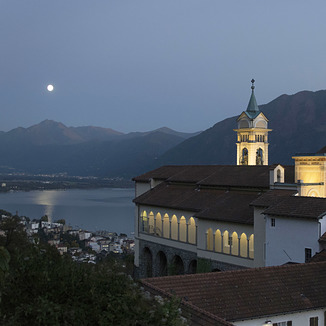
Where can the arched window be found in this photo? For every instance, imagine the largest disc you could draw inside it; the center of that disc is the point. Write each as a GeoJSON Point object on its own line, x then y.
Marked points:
{"type": "Point", "coordinates": [218, 241]}
{"type": "Point", "coordinates": [158, 225]}
{"type": "Point", "coordinates": [226, 242]}
{"type": "Point", "coordinates": [251, 246]}
{"type": "Point", "coordinates": [151, 222]}
{"type": "Point", "coordinates": [148, 262]}
{"type": "Point", "coordinates": [259, 157]}
{"type": "Point", "coordinates": [313, 193]}
{"type": "Point", "coordinates": [243, 245]}
{"type": "Point", "coordinates": [162, 264]}
{"type": "Point", "coordinates": [183, 229]}
{"type": "Point", "coordinates": [144, 221]}
{"type": "Point", "coordinates": [177, 266]}
{"type": "Point", "coordinates": [278, 175]}
{"type": "Point", "coordinates": [209, 239]}
{"type": "Point", "coordinates": [244, 157]}
{"type": "Point", "coordinates": [166, 226]}
{"type": "Point", "coordinates": [174, 228]}
{"type": "Point", "coordinates": [235, 244]}
{"type": "Point", "coordinates": [192, 231]}
{"type": "Point", "coordinates": [192, 267]}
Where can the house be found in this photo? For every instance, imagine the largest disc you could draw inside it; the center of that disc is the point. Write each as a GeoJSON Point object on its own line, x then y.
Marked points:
{"type": "Point", "coordinates": [287, 295]}
{"type": "Point", "coordinates": [226, 217]}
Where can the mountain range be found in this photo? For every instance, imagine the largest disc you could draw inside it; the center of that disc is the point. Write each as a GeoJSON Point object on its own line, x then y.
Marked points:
{"type": "Point", "coordinates": [298, 122]}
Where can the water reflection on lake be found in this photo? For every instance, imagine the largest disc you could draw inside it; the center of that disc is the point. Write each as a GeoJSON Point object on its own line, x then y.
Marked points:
{"type": "Point", "coordinates": [93, 209]}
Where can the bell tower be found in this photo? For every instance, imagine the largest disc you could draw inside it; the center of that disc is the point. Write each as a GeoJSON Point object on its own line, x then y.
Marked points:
{"type": "Point", "coordinates": [252, 134]}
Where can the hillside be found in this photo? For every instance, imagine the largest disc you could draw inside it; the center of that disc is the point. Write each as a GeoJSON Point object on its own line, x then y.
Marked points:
{"type": "Point", "coordinates": [298, 122]}
{"type": "Point", "coordinates": [51, 147]}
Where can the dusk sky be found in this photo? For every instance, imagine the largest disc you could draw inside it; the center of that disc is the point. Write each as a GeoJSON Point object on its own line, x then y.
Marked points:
{"type": "Point", "coordinates": [138, 65]}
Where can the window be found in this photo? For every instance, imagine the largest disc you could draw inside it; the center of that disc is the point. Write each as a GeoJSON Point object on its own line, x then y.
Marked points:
{"type": "Point", "coordinates": [313, 321]}
{"type": "Point", "coordinates": [259, 157]}
{"type": "Point", "coordinates": [307, 252]}
{"type": "Point", "coordinates": [283, 323]}
{"type": "Point", "coordinates": [273, 222]}
{"type": "Point", "coordinates": [244, 157]}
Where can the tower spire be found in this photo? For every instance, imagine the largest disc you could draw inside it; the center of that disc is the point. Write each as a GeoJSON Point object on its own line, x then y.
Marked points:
{"type": "Point", "coordinates": [252, 108]}
{"type": "Point", "coordinates": [252, 134]}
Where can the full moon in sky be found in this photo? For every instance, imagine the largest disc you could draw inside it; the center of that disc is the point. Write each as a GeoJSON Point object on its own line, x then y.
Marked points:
{"type": "Point", "coordinates": [50, 88]}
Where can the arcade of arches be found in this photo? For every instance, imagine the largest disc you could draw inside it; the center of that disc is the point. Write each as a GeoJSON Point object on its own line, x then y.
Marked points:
{"type": "Point", "coordinates": [230, 244]}
{"type": "Point", "coordinates": [182, 230]}
{"type": "Point", "coordinates": [173, 228]}
{"type": "Point", "coordinates": [159, 262]}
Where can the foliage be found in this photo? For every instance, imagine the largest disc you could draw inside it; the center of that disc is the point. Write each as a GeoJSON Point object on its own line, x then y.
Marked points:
{"type": "Point", "coordinates": [44, 288]}
{"type": "Point", "coordinates": [61, 221]}
{"type": "Point", "coordinates": [45, 218]}
{"type": "Point", "coordinates": [203, 265]}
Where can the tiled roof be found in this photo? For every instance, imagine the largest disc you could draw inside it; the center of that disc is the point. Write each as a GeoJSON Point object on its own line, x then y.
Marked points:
{"type": "Point", "coordinates": [216, 204]}
{"type": "Point", "coordinates": [323, 238]}
{"type": "Point", "coordinates": [161, 173]}
{"type": "Point", "coordinates": [322, 150]}
{"type": "Point", "coordinates": [298, 206]}
{"type": "Point", "coordinates": [320, 256]}
{"type": "Point", "coordinates": [216, 175]}
{"type": "Point", "coordinates": [250, 293]}
{"type": "Point", "coordinates": [272, 197]}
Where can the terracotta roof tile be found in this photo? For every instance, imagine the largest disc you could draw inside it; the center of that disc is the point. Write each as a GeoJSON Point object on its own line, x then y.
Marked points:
{"type": "Point", "coordinates": [323, 238]}
{"type": "Point", "coordinates": [216, 204]}
{"type": "Point", "coordinates": [251, 293]}
{"type": "Point", "coordinates": [298, 206]}
{"type": "Point", "coordinates": [320, 256]}
{"type": "Point", "coordinates": [271, 197]}
{"type": "Point", "coordinates": [216, 175]}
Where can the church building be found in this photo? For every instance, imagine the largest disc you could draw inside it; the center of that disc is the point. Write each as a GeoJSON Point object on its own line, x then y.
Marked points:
{"type": "Point", "coordinates": [201, 218]}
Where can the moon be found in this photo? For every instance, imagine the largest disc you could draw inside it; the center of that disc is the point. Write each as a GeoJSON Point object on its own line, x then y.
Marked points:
{"type": "Point", "coordinates": [50, 88]}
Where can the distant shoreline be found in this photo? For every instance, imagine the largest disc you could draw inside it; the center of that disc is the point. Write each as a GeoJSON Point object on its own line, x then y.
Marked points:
{"type": "Point", "coordinates": [13, 182]}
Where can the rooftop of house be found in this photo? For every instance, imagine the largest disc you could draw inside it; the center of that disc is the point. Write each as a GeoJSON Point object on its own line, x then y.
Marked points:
{"type": "Point", "coordinates": [207, 203]}
{"type": "Point", "coordinates": [256, 176]}
{"type": "Point", "coordinates": [298, 207]}
{"type": "Point", "coordinates": [216, 192]}
{"type": "Point", "coordinates": [272, 197]}
{"type": "Point", "coordinates": [249, 293]}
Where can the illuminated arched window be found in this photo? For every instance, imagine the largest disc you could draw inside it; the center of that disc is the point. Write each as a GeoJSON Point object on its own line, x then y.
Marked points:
{"type": "Point", "coordinates": [151, 222]}
{"type": "Point", "coordinates": [313, 193]}
{"type": "Point", "coordinates": [235, 244]}
{"type": "Point", "coordinates": [251, 246]}
{"type": "Point", "coordinates": [226, 242]}
{"type": "Point", "coordinates": [158, 225]}
{"type": "Point", "coordinates": [174, 228]}
{"type": "Point", "coordinates": [166, 226]}
{"type": "Point", "coordinates": [144, 220]}
{"type": "Point", "coordinates": [243, 245]}
{"type": "Point", "coordinates": [183, 229]}
{"type": "Point", "coordinates": [209, 239]}
{"type": "Point", "coordinates": [192, 231]}
{"type": "Point", "coordinates": [244, 157]}
{"type": "Point", "coordinates": [218, 241]}
{"type": "Point", "coordinates": [259, 157]}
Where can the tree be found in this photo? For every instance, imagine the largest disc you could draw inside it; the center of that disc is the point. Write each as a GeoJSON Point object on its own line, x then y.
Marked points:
{"type": "Point", "coordinates": [41, 287]}
{"type": "Point", "coordinates": [61, 221]}
{"type": "Point", "coordinates": [44, 218]}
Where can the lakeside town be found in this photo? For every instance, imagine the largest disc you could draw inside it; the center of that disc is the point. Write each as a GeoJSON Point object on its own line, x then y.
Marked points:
{"type": "Point", "coordinates": [82, 245]}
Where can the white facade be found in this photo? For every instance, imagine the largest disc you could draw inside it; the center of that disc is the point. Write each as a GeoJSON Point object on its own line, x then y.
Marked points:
{"type": "Point", "coordinates": [298, 319]}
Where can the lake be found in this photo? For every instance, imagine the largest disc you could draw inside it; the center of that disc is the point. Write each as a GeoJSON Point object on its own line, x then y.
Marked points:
{"type": "Point", "coordinates": [108, 209]}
